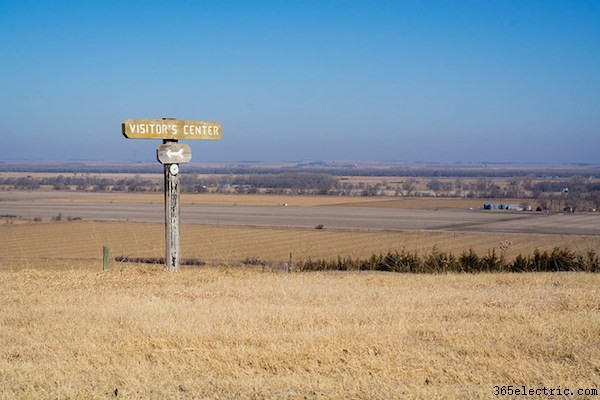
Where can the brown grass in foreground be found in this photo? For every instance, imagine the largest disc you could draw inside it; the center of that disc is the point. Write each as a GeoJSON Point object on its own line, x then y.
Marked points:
{"type": "Point", "coordinates": [72, 331]}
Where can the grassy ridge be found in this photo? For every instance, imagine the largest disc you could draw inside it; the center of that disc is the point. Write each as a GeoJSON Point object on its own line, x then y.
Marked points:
{"type": "Point", "coordinates": [222, 333]}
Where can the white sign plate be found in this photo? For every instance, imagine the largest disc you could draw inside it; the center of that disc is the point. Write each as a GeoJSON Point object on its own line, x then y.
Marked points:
{"type": "Point", "coordinates": [174, 153]}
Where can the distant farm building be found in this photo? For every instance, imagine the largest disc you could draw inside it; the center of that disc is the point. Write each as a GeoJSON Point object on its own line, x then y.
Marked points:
{"type": "Point", "coordinates": [495, 206]}
{"type": "Point", "coordinates": [506, 206]}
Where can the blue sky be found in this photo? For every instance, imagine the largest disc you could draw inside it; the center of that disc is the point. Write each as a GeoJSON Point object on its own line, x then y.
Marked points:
{"type": "Point", "coordinates": [496, 81]}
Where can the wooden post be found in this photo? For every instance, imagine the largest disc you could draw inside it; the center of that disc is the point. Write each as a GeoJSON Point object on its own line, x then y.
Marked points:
{"type": "Point", "coordinates": [172, 214]}
{"type": "Point", "coordinates": [105, 258]}
{"type": "Point", "coordinates": [171, 154]}
{"type": "Point", "coordinates": [287, 266]}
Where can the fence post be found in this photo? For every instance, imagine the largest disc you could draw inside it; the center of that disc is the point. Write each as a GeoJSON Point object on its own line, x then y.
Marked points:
{"type": "Point", "coordinates": [288, 265]}
{"type": "Point", "coordinates": [105, 258]}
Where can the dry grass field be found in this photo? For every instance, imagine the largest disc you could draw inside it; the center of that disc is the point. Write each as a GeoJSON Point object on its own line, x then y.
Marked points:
{"type": "Point", "coordinates": [229, 245]}
{"type": "Point", "coordinates": [72, 331]}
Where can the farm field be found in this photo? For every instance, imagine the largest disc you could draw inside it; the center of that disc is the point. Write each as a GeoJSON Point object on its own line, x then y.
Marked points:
{"type": "Point", "coordinates": [224, 199]}
{"type": "Point", "coordinates": [339, 212]}
{"type": "Point", "coordinates": [232, 244]}
{"type": "Point", "coordinates": [70, 330]}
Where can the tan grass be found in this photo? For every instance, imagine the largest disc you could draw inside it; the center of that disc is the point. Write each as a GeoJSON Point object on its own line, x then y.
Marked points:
{"type": "Point", "coordinates": [230, 244]}
{"type": "Point", "coordinates": [71, 331]}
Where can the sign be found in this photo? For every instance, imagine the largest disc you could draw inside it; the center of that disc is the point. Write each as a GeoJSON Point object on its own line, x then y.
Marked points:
{"type": "Point", "coordinates": [171, 129]}
{"type": "Point", "coordinates": [173, 153]}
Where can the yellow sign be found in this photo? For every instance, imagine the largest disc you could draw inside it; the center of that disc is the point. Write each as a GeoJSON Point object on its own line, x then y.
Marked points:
{"type": "Point", "coordinates": [171, 129]}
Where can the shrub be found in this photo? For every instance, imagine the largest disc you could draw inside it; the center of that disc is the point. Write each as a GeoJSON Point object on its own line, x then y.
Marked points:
{"type": "Point", "coordinates": [438, 262]}
{"type": "Point", "coordinates": [492, 263]}
{"type": "Point", "coordinates": [469, 262]}
{"type": "Point", "coordinates": [253, 261]}
{"type": "Point", "coordinates": [562, 260]}
{"type": "Point", "coordinates": [520, 264]}
{"type": "Point", "coordinates": [592, 264]}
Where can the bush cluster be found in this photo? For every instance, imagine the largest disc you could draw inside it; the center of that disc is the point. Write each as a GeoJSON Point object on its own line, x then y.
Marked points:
{"type": "Point", "coordinates": [559, 259]}
{"type": "Point", "coordinates": [158, 260]}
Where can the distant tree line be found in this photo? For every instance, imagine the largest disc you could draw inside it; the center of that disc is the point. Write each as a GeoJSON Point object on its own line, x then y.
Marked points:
{"type": "Point", "coordinates": [575, 193]}
{"type": "Point", "coordinates": [301, 182]}
{"type": "Point", "coordinates": [418, 170]}
{"type": "Point", "coordinates": [82, 183]}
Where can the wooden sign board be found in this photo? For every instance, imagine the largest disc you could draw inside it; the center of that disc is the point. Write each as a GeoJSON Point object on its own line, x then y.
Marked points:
{"type": "Point", "coordinates": [174, 153]}
{"type": "Point", "coordinates": [171, 129]}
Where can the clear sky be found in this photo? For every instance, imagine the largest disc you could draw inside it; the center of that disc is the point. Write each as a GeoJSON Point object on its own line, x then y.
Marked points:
{"type": "Point", "coordinates": [496, 81]}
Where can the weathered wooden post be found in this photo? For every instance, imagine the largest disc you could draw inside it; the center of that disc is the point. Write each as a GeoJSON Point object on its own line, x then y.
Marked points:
{"type": "Point", "coordinates": [171, 154]}
{"type": "Point", "coordinates": [171, 213]}
{"type": "Point", "coordinates": [105, 258]}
